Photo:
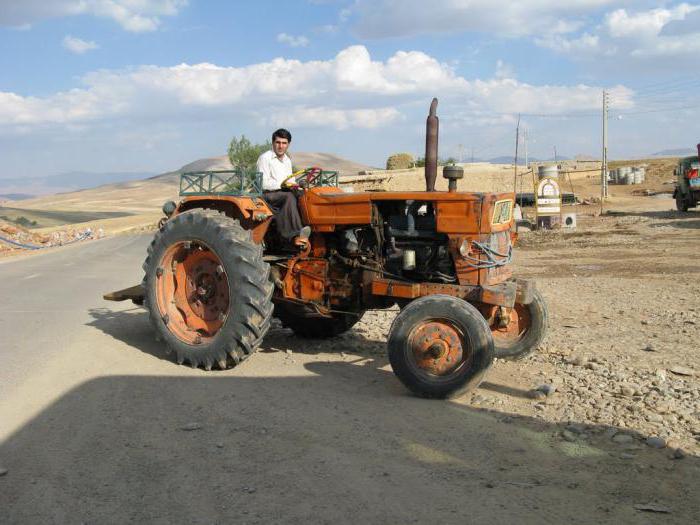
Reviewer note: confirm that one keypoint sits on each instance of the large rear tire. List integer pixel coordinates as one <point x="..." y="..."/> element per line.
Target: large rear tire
<point x="207" y="289"/>
<point x="315" y="327"/>
<point x="440" y="346"/>
<point x="525" y="331"/>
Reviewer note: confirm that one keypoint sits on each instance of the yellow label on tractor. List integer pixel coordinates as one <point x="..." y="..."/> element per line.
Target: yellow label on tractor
<point x="502" y="212"/>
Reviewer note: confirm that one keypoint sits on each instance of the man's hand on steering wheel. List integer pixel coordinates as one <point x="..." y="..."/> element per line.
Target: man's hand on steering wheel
<point x="301" y="179"/>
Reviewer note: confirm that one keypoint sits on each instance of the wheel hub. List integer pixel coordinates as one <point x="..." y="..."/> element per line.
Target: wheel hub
<point x="511" y="328"/>
<point x="193" y="292"/>
<point x="437" y="347"/>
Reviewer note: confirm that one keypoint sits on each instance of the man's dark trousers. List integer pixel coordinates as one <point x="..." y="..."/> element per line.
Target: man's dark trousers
<point x="287" y="218"/>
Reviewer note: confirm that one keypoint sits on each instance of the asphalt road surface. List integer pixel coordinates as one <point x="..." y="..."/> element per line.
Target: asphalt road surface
<point x="98" y="425"/>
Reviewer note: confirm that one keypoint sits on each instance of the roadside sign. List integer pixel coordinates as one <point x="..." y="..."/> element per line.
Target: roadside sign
<point x="548" y="197"/>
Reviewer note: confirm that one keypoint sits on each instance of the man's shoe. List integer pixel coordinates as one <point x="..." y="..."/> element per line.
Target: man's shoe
<point x="305" y="232"/>
<point x="302" y="240"/>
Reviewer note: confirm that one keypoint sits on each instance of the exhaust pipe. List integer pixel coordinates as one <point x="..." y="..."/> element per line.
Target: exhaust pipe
<point x="431" y="147"/>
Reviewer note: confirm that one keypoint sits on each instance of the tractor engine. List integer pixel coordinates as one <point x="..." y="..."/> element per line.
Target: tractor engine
<point x="404" y="242"/>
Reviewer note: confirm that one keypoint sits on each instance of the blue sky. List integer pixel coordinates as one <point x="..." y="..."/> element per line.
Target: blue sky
<point x="149" y="85"/>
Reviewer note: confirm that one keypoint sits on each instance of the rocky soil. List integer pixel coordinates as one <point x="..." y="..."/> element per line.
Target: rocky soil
<point x="621" y="360"/>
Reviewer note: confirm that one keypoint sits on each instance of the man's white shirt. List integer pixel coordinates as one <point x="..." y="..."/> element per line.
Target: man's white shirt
<point x="273" y="169"/>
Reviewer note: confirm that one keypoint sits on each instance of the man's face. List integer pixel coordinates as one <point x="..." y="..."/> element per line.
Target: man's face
<point x="280" y="146"/>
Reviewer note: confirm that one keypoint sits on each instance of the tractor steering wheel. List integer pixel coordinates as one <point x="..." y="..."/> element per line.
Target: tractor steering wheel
<point x="303" y="178"/>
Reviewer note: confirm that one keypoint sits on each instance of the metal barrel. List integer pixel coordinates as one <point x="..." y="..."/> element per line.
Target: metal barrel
<point x="432" y="125"/>
<point x="551" y="172"/>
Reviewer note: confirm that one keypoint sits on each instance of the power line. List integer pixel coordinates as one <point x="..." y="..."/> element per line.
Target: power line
<point x="659" y="110"/>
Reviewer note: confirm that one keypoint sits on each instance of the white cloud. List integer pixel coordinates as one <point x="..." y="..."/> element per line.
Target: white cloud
<point x="356" y="92"/>
<point x="636" y="36"/>
<point x="132" y="15"/>
<point x="323" y="117"/>
<point x="392" y="18"/>
<point x="78" y="45"/>
<point x="293" y="41"/>
<point x="504" y="70"/>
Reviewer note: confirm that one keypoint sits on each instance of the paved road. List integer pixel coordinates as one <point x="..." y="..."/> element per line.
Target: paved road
<point x="47" y="299"/>
<point x="97" y="425"/>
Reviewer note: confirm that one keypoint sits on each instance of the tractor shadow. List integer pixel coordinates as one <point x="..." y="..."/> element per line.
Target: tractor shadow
<point x="133" y="327"/>
<point x="336" y="445"/>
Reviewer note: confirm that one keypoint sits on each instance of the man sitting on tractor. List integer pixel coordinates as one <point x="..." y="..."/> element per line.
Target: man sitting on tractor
<point x="276" y="169"/>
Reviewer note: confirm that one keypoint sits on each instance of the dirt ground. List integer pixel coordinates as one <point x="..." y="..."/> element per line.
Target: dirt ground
<point x="621" y="362"/>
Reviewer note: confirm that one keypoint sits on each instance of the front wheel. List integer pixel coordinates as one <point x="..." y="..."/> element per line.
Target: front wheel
<point x="440" y="346"/>
<point x="526" y="328"/>
<point x="207" y="289"/>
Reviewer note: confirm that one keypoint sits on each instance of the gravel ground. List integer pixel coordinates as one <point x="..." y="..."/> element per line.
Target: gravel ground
<point x="622" y="348"/>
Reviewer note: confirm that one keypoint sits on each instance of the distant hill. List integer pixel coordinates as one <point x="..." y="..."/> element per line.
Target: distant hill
<point x="148" y="195"/>
<point x="69" y="181"/>
<point x="15" y="196"/>
<point x="521" y="160"/>
<point x="679" y="152"/>
<point x="300" y="160"/>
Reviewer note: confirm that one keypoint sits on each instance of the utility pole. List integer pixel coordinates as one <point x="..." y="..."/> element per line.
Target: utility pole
<point x="604" y="167"/>
<point x="515" y="168"/>
<point x="525" y="137"/>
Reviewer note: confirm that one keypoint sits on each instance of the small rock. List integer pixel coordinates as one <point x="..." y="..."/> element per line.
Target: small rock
<point x="536" y="394"/>
<point x="678" y="453"/>
<point x="627" y="390"/>
<point x="219" y="445"/>
<point x="3" y="472"/>
<point x="622" y="438"/>
<point x="578" y="360"/>
<point x="649" y="348"/>
<point x="576" y="428"/>
<point x="681" y="371"/>
<point x="627" y="455"/>
<point x="546" y="389"/>
<point x="568" y="436"/>
<point x="289" y="352"/>
<point x="655" y="418"/>
<point x="652" y="508"/>
<point x="191" y="426"/>
<point x="656" y="442"/>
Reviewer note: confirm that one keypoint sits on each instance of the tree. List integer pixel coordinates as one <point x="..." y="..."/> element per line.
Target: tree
<point x="243" y="154"/>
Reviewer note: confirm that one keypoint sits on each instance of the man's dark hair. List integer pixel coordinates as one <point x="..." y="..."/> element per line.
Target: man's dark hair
<point x="282" y="134"/>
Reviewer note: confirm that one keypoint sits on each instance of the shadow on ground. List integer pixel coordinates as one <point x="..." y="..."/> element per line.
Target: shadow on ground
<point x="341" y="443"/>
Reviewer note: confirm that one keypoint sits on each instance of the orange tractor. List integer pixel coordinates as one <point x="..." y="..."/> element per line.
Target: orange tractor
<point x="216" y="274"/>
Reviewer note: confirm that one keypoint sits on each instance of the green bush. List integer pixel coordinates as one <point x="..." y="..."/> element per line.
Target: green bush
<point x="399" y="161"/>
<point x="244" y="154"/>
